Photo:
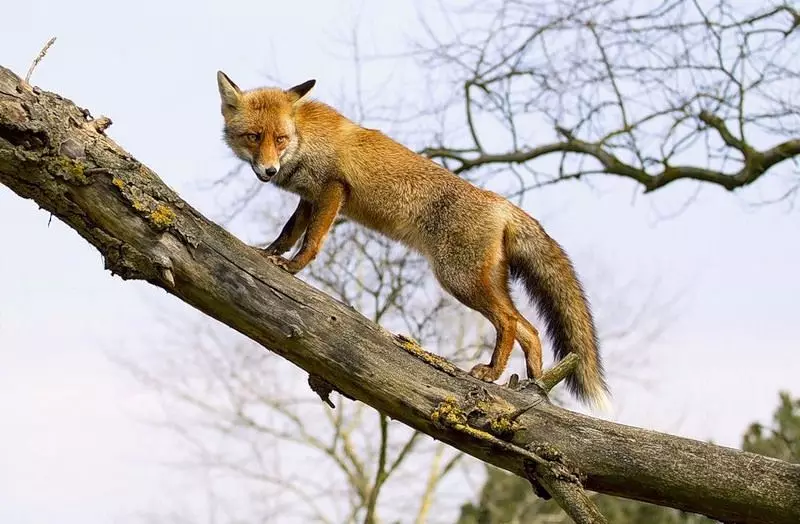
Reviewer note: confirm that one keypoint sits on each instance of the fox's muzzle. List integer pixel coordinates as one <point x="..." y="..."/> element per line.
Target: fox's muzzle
<point x="264" y="173"/>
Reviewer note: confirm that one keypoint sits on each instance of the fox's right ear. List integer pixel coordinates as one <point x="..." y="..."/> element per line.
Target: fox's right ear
<point x="229" y="92"/>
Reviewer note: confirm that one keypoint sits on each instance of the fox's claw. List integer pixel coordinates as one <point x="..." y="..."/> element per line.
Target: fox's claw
<point x="280" y="262"/>
<point x="272" y="249"/>
<point x="485" y="373"/>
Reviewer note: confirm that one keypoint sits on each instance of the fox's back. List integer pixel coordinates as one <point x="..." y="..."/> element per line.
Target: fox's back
<point x="408" y="197"/>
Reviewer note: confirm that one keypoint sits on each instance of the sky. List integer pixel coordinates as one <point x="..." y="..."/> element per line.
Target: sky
<point x="73" y="447"/>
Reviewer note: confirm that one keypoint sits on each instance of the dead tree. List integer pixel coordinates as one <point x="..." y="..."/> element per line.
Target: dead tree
<point x="55" y="153"/>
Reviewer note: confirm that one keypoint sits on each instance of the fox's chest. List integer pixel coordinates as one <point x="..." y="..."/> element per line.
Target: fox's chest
<point x="302" y="182"/>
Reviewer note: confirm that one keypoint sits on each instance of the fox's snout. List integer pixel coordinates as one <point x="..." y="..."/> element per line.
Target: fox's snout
<point x="265" y="172"/>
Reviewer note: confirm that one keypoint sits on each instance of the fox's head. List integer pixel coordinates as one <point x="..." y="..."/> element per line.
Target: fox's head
<point x="259" y="124"/>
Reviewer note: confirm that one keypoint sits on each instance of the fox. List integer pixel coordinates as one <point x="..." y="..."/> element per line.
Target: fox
<point x="475" y="241"/>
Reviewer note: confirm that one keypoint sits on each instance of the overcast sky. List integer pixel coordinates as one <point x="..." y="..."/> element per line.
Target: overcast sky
<point x="71" y="447"/>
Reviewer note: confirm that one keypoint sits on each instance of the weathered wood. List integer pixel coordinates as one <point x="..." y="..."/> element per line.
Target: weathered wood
<point x="51" y="153"/>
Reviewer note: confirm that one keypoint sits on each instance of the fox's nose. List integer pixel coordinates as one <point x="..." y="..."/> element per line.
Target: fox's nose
<point x="270" y="171"/>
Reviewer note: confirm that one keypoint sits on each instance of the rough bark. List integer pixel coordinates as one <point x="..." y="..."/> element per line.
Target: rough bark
<point x="52" y="152"/>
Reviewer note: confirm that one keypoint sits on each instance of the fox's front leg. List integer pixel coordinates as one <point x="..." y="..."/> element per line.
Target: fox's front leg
<point x="292" y="231"/>
<point x="323" y="213"/>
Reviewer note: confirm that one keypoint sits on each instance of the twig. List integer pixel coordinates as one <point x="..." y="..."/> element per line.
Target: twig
<point x="565" y="367"/>
<point x="39" y="59"/>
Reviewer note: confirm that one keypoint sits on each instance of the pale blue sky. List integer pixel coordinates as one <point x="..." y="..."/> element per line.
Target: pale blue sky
<point x="70" y="448"/>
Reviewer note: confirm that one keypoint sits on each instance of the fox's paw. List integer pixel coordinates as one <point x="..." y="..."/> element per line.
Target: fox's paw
<point x="281" y="262"/>
<point x="485" y="373"/>
<point x="272" y="249"/>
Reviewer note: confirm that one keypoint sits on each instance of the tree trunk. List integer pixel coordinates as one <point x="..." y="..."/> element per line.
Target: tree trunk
<point x="53" y="153"/>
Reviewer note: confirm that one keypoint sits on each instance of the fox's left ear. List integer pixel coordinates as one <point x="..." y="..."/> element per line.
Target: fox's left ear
<point x="299" y="91"/>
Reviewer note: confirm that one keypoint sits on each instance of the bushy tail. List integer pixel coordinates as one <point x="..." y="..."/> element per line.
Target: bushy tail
<point x="551" y="281"/>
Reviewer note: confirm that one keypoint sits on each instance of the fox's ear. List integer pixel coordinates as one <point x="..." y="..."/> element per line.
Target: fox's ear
<point x="299" y="91"/>
<point x="229" y="92"/>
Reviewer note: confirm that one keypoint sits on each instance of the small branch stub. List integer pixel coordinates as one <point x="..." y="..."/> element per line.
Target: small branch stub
<point x="565" y="367"/>
<point x="543" y="385"/>
<point x="323" y="388"/>
<point x="100" y="124"/>
<point x="168" y="277"/>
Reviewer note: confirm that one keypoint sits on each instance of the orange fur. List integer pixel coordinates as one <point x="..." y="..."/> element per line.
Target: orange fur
<point x="474" y="239"/>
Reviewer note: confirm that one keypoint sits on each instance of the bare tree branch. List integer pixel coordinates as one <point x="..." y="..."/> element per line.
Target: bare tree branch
<point x="600" y="80"/>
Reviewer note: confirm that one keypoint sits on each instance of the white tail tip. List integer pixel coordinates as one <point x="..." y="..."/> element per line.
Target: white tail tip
<point x="600" y="401"/>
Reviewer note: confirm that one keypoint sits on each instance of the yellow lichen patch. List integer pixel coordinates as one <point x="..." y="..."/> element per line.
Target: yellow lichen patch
<point x="496" y="415"/>
<point x="474" y="432"/>
<point x="447" y="413"/>
<point x="118" y="182"/>
<point x="415" y="349"/>
<point x="138" y="205"/>
<point x="162" y="216"/>
<point x="70" y="170"/>
<point x="451" y="415"/>
<point x="503" y="426"/>
<point x="486" y="406"/>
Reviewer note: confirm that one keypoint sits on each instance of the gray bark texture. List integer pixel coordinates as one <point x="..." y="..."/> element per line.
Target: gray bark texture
<point x="54" y="153"/>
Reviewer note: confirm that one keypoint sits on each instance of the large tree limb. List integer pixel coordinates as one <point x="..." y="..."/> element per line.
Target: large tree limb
<point x="52" y="153"/>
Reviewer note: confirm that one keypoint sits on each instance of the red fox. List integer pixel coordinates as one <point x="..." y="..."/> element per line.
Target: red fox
<point x="475" y="240"/>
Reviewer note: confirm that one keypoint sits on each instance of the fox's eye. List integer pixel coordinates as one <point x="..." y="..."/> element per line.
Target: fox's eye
<point x="252" y="137"/>
<point x="281" y="140"/>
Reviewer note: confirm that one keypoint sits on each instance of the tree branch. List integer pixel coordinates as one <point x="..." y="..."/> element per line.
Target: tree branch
<point x="145" y="231"/>
<point x="717" y="123"/>
<point x="760" y="161"/>
<point x="632" y="96"/>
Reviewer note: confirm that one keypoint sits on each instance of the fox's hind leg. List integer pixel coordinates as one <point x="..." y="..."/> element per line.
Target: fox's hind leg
<point x="481" y="283"/>
<point x="502" y="307"/>
<point x="494" y="302"/>
<point x="528" y="338"/>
